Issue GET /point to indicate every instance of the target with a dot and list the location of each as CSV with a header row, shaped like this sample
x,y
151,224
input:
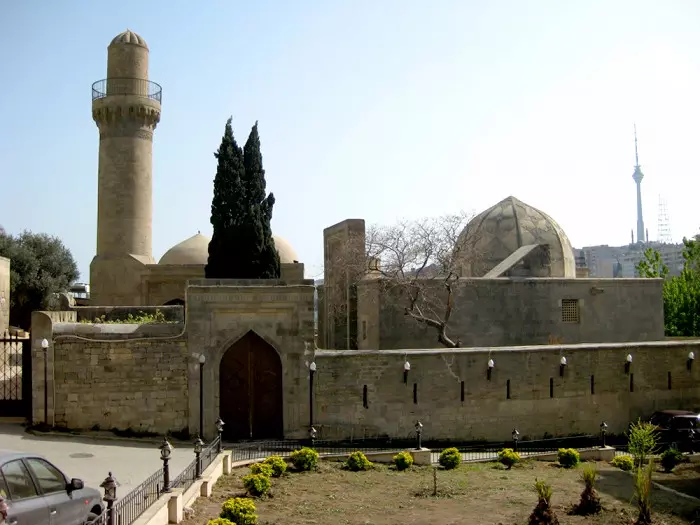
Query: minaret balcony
x,y
138,87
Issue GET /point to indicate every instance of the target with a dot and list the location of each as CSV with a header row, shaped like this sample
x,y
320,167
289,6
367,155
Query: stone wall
x,y
503,312
455,398
4,294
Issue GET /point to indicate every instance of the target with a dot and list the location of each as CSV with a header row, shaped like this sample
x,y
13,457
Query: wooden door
x,y
250,387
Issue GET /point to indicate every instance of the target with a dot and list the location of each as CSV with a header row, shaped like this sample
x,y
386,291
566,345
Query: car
x,y
39,493
679,429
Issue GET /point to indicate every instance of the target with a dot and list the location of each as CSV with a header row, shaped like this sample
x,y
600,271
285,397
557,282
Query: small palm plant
x,y
642,492
590,501
543,513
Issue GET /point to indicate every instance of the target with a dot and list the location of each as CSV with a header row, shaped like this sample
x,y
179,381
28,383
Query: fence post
x,y
110,487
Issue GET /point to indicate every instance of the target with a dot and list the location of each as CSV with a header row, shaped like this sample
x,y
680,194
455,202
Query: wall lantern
x,y
490,366
562,366
312,366
691,358
628,363
515,435
406,368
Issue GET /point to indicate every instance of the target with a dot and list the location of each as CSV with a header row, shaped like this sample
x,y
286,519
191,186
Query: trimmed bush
x,y
508,457
261,468
240,511
403,460
220,521
257,484
450,458
358,461
279,465
670,459
568,457
304,459
623,462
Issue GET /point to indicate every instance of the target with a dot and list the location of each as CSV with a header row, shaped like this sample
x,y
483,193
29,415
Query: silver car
x,y
38,493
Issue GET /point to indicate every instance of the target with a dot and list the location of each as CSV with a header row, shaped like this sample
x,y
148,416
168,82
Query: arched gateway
x,y
250,388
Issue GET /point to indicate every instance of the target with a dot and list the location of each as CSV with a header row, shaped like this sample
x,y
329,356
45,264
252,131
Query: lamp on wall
x,y
689,362
562,366
489,368
628,363
406,368
45,347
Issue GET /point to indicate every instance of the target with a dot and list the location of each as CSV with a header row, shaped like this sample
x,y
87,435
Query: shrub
x,y
642,493
450,458
670,458
623,462
261,468
256,484
358,461
240,511
568,457
590,501
508,457
543,514
220,521
279,465
403,460
642,439
304,459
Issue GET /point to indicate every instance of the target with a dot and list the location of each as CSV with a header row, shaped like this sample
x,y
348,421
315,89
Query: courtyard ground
x,y
92,459
474,494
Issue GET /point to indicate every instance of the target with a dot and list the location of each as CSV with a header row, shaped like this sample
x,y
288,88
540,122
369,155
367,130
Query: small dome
x,y
499,231
129,37
195,250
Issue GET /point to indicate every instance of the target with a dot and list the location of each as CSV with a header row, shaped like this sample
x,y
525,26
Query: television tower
x,y
664,226
638,176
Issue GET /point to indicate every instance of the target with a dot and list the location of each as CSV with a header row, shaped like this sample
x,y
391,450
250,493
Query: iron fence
x,y
126,86
188,476
127,509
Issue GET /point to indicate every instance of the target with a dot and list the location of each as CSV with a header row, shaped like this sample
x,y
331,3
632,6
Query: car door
x,y
65,508
25,505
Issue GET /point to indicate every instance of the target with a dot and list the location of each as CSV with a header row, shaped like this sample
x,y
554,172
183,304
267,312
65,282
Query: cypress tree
x,y
241,246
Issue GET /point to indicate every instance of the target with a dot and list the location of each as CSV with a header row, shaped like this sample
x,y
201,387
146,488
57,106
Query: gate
x,y
15,376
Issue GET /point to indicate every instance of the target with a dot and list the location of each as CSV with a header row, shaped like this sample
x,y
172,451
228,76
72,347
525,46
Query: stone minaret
x,y
126,109
638,176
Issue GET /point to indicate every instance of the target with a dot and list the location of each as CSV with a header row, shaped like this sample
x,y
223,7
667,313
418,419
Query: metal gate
x,y
15,376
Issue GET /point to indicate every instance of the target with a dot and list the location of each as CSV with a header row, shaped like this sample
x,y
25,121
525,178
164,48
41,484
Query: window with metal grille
x,y
570,312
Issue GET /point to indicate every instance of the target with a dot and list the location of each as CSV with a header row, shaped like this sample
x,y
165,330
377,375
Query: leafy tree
x,y
652,265
242,246
40,266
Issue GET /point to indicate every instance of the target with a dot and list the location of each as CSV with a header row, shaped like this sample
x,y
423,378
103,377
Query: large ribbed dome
x,y
195,250
499,231
129,37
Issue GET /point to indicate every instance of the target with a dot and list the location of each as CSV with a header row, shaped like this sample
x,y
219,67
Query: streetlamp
x,y
406,368
419,431
220,431
202,360
110,487
603,431
312,373
313,433
515,435
198,447
165,450
45,348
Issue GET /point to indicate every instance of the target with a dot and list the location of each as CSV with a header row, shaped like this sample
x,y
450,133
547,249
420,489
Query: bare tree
x,y
416,264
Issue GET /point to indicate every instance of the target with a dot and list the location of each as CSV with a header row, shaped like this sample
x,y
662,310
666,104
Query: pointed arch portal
x,y
250,390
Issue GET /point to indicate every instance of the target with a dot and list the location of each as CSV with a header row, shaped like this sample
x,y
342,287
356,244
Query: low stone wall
x,y
87,314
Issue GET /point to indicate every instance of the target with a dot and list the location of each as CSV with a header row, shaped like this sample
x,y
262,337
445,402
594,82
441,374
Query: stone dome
x,y
195,250
499,231
129,37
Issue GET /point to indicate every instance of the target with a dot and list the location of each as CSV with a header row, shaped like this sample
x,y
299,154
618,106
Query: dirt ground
x,y
684,478
474,494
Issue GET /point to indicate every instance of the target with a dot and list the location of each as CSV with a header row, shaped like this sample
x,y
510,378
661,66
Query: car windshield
x,y
685,422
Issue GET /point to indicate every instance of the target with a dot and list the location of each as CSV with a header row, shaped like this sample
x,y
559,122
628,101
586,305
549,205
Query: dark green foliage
x,y
670,459
450,458
241,246
40,266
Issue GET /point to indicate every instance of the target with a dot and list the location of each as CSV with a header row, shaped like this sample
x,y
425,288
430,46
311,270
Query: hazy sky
x,y
379,110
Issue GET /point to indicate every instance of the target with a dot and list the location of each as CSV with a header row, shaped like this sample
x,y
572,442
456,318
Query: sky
x,y
382,110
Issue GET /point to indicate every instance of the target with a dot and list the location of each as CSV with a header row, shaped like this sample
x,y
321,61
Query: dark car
x,y
38,493
679,429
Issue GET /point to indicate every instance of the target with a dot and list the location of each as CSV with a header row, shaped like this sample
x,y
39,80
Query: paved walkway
x,y
92,459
